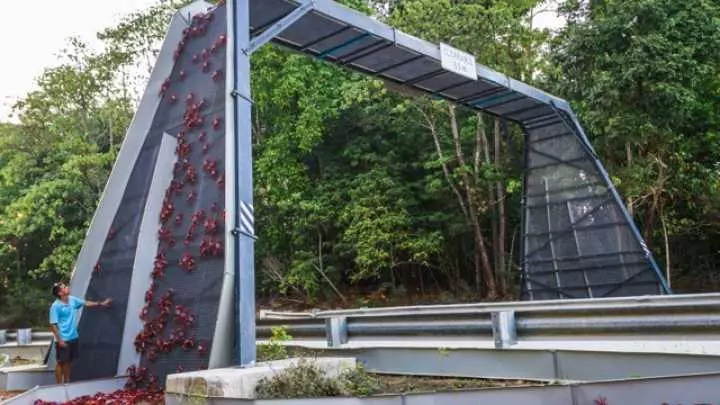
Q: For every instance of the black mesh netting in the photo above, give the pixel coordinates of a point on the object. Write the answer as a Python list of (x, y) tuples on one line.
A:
[(189, 267), (578, 243)]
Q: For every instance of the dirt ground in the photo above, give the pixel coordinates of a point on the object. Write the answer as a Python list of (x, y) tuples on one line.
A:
[(8, 394), (18, 361), (394, 384)]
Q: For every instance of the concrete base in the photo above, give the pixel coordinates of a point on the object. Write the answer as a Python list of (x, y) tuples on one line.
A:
[(240, 383), (19, 378), (34, 351), (66, 392)]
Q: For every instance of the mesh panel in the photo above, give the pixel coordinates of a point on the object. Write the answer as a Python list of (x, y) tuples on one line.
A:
[(101, 332), (578, 243), (199, 290)]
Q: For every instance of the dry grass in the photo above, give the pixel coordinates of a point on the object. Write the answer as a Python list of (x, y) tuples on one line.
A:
[(9, 394), (19, 361), (306, 380), (396, 384)]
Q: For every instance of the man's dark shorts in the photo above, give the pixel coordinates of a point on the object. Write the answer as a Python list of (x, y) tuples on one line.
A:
[(68, 353)]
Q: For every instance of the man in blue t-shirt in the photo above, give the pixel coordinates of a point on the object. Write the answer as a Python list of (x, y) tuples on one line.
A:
[(63, 324)]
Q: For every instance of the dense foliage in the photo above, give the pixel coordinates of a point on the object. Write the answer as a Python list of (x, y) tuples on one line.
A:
[(364, 192)]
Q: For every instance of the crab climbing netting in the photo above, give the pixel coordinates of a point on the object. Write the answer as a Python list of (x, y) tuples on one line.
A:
[(162, 260), (578, 240)]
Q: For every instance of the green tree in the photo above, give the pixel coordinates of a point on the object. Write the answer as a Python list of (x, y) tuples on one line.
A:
[(54, 164), (475, 166)]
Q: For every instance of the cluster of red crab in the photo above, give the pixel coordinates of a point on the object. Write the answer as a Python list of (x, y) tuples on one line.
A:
[(162, 315), (119, 397), (150, 340), (198, 29)]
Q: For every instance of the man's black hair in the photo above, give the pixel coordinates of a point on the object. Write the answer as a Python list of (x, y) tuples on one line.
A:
[(56, 289)]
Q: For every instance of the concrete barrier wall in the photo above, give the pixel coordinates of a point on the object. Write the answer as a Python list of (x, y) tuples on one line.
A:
[(696, 389), (33, 351), (687, 389), (66, 392)]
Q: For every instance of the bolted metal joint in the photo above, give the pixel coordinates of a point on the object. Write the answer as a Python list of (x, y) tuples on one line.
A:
[(236, 94), (504, 329), (336, 331)]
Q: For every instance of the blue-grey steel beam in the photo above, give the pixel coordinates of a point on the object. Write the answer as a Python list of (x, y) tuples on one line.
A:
[(241, 209), (270, 33)]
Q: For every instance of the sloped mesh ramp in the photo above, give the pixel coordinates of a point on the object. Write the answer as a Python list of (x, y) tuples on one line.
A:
[(578, 241), (156, 245)]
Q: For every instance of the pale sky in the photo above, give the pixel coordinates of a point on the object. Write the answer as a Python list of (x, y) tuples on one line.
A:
[(34, 32)]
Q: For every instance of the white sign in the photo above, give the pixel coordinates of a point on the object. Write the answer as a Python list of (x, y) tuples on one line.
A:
[(457, 61)]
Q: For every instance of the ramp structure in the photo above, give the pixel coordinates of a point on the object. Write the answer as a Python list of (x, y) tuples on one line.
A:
[(172, 239), (156, 244)]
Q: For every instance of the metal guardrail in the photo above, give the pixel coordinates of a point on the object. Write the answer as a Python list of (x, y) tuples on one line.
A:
[(35, 337), (673, 317), (627, 302), (678, 317), (579, 341)]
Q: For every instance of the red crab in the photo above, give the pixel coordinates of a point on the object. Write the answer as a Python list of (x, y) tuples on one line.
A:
[(211, 226), (210, 167), (191, 175), (198, 216), (211, 247), (187, 262), (167, 210), (165, 86), (202, 348)]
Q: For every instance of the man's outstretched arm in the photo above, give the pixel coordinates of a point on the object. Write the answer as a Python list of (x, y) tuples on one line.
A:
[(102, 304)]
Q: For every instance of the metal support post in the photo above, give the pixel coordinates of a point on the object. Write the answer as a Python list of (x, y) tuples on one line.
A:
[(241, 208), (336, 331), (525, 286), (504, 330)]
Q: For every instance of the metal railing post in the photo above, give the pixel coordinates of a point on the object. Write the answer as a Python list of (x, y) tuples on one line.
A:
[(504, 329), (336, 331)]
